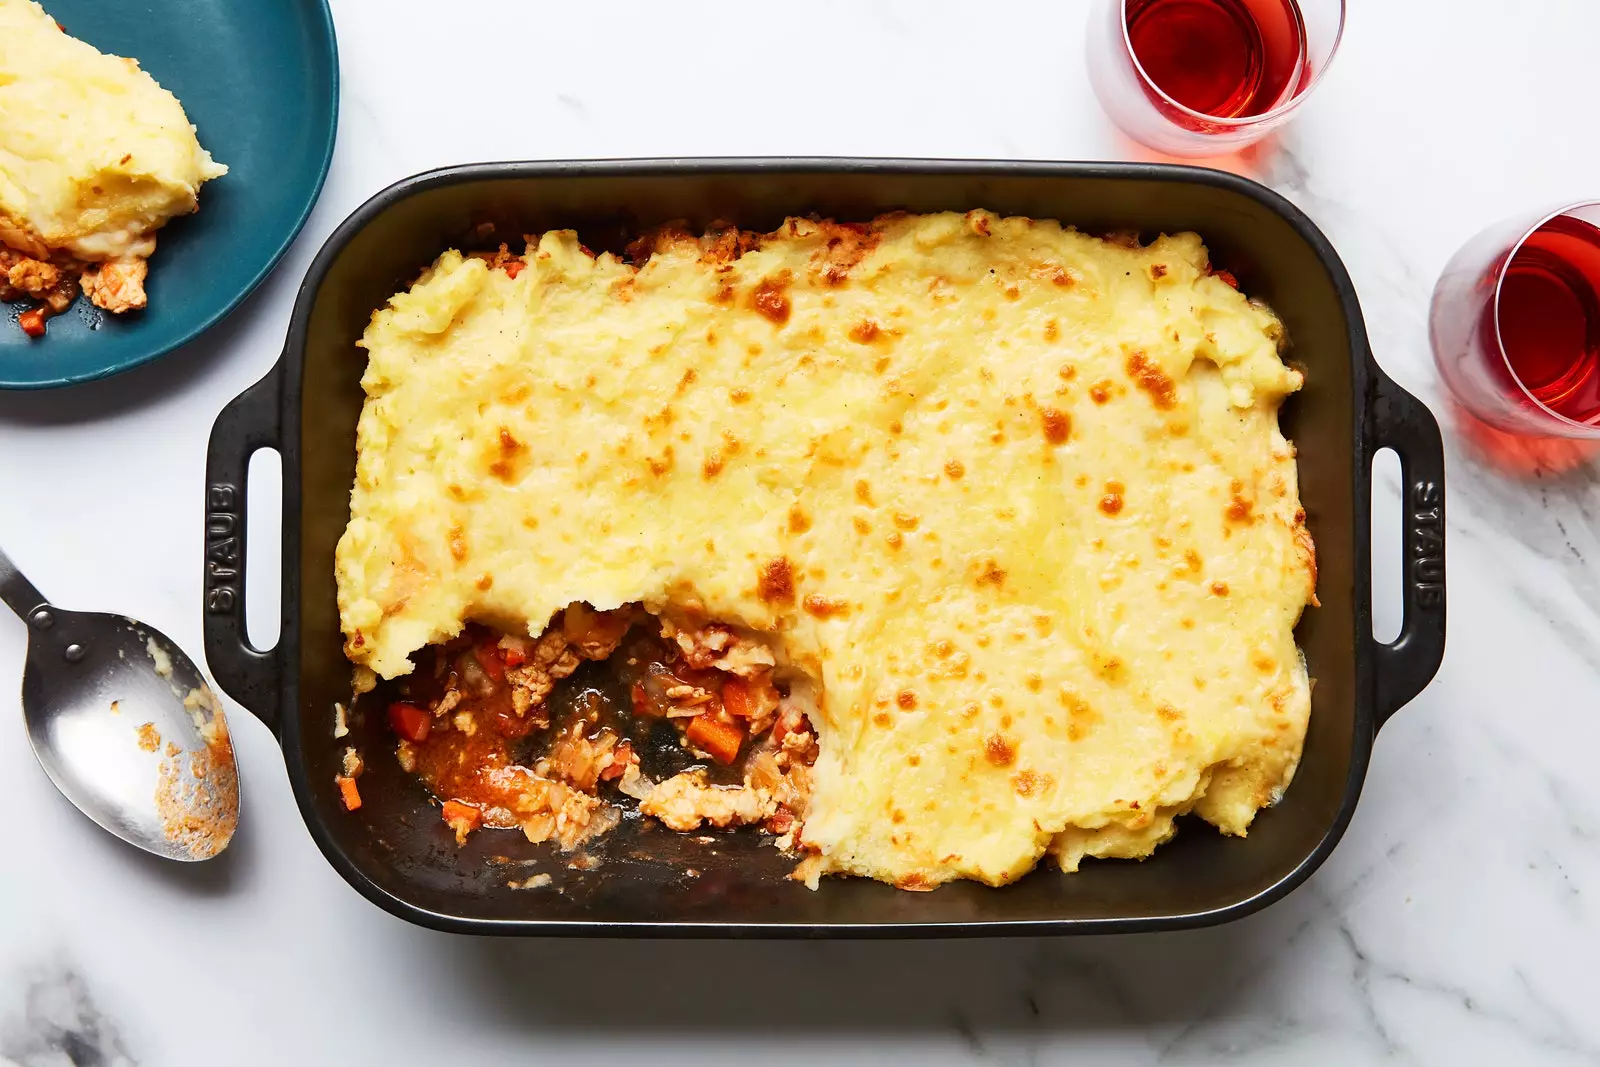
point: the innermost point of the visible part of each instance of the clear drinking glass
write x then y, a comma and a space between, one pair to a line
1515, 323
1205, 77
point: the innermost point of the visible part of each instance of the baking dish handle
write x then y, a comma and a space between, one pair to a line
250, 422
1400, 421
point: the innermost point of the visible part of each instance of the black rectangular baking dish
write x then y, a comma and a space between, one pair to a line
396, 850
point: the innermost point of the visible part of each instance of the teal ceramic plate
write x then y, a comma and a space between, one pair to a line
260, 79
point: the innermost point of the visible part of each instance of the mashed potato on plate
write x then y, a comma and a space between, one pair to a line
95, 157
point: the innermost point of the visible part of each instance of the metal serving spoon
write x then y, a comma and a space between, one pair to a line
125, 726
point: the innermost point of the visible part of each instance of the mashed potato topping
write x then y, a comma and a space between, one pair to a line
95, 157
1013, 498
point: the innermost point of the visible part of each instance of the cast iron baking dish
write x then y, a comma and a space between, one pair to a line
396, 850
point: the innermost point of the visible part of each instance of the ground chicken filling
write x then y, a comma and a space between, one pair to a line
54, 282
557, 735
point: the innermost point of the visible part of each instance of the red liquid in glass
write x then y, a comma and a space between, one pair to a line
1550, 317
1223, 58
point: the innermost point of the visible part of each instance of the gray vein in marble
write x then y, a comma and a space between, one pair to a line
1362, 982
1578, 640
1576, 817
60, 1026
1559, 1035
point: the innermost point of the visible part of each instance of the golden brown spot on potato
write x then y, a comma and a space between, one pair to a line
915, 883
1239, 506
1035, 680
824, 607
847, 244
660, 466
485, 582
906, 698
799, 521
894, 539
689, 375
770, 300
979, 223
724, 294
990, 572
865, 332
1057, 425
1168, 713
999, 751
882, 720
1027, 783
713, 464
775, 584
1158, 270
914, 760
864, 492
1012, 292
1051, 330
508, 451
1152, 379
905, 521
1264, 663
1111, 503
897, 426
954, 468
1219, 588
1100, 392
863, 527
458, 543
1192, 558
530, 521
897, 816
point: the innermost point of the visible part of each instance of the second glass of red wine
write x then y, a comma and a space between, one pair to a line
1515, 323
1205, 77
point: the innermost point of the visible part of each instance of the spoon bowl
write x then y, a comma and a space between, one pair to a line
126, 727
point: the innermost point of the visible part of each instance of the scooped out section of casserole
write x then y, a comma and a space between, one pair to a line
553, 735
1008, 502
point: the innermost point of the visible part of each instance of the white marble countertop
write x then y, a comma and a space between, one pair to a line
1455, 922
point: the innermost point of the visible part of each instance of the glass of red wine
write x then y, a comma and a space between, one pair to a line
1204, 77
1516, 323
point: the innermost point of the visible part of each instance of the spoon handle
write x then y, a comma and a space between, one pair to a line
17, 591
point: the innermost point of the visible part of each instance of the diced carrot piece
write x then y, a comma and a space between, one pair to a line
736, 697
410, 721
720, 739
514, 656
348, 792
1227, 278
456, 812
490, 659
513, 267
32, 322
